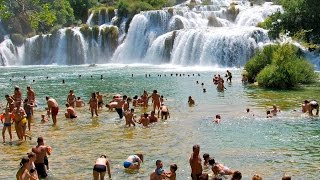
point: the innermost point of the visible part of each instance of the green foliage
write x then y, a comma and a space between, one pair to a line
17, 39
259, 61
232, 12
299, 15
64, 12
206, 2
81, 7
280, 66
5, 12
128, 8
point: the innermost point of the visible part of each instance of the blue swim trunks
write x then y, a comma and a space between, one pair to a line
127, 164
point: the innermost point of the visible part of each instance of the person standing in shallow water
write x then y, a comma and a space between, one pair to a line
53, 107
100, 168
41, 152
93, 104
229, 76
195, 163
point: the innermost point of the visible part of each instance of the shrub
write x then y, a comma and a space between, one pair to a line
280, 67
259, 61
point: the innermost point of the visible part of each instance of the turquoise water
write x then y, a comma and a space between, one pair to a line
288, 144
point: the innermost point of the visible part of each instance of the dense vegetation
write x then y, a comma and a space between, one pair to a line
279, 66
300, 19
30, 17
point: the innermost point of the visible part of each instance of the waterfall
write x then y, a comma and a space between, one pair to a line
209, 32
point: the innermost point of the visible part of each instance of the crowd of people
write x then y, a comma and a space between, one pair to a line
20, 112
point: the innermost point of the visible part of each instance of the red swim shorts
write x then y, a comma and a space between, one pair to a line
54, 111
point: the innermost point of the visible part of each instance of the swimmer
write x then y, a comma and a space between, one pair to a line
204, 90
71, 99
256, 177
195, 163
31, 96
71, 113
100, 100
101, 166
63, 81
41, 162
111, 106
190, 101
269, 115
218, 119
172, 174
32, 168
53, 107
93, 104
304, 106
129, 116
220, 86
28, 109
17, 95
219, 169
164, 111
10, 102
79, 102
229, 76
23, 172
206, 158
286, 177
133, 162
155, 99
144, 120
120, 103
159, 172
313, 105
236, 175
152, 117
249, 112
20, 120
275, 110
135, 101
44, 118
7, 120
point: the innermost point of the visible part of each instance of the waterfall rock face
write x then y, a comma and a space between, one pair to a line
215, 32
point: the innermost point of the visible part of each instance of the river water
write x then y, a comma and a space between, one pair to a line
288, 144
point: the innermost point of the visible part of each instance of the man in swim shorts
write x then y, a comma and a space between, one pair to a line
164, 111
101, 166
53, 107
100, 100
195, 163
133, 161
41, 152
71, 113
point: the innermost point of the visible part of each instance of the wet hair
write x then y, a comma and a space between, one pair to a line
256, 177
248, 110
306, 101
285, 177
135, 97
124, 96
153, 112
218, 116
155, 91
268, 112
93, 95
26, 100
6, 95
158, 162
140, 156
103, 156
23, 161
196, 146
71, 91
40, 139
205, 156
67, 104
132, 110
78, 98
145, 114
212, 161
174, 167
236, 175
47, 97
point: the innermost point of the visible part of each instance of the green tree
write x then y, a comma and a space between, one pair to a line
81, 8
64, 12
